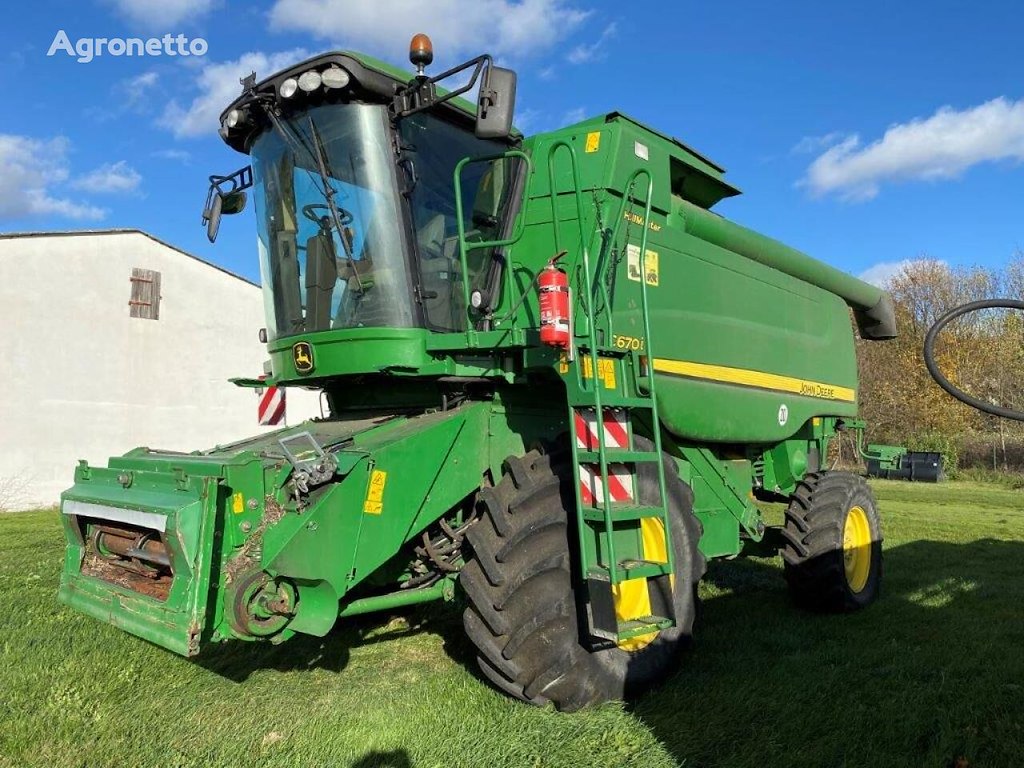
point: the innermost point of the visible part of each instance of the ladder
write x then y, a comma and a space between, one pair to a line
609, 391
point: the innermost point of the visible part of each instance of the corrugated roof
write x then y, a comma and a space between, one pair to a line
124, 231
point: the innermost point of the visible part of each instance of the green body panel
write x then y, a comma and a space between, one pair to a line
392, 351
751, 344
711, 306
713, 229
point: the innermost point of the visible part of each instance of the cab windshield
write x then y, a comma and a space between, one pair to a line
330, 238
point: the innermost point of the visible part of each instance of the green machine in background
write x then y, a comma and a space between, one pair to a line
557, 385
887, 458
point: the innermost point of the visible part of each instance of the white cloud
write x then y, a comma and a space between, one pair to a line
808, 145
127, 95
141, 82
163, 14
528, 119
583, 53
116, 177
218, 85
574, 116
942, 146
458, 28
882, 273
29, 168
133, 90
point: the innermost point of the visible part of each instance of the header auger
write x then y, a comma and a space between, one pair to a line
557, 382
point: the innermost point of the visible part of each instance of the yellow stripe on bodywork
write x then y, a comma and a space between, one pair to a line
759, 379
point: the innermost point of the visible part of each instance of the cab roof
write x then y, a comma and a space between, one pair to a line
371, 80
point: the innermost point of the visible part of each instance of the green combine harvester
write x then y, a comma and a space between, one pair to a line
558, 384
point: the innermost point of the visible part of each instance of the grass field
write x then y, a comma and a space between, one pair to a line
932, 675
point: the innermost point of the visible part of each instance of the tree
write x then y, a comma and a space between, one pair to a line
983, 353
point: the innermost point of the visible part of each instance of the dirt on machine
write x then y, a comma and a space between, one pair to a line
559, 383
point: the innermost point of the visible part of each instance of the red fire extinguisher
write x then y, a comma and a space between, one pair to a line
553, 285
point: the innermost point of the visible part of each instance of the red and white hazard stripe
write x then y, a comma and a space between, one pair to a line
620, 483
272, 406
616, 431
616, 435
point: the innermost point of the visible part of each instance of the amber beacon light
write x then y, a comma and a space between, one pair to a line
421, 52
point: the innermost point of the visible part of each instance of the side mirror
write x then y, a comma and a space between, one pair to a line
225, 203
496, 103
222, 204
233, 202
212, 216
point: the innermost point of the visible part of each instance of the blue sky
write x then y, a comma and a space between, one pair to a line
863, 133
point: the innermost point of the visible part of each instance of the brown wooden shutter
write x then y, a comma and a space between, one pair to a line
145, 300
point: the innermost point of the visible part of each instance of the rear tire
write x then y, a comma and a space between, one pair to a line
833, 543
524, 612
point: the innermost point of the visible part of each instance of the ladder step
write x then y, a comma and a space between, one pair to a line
623, 513
638, 569
643, 626
617, 456
615, 400
605, 625
631, 569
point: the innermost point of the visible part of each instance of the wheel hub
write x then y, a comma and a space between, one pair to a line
261, 605
857, 548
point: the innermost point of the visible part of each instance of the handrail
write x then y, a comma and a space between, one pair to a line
464, 247
645, 311
578, 196
621, 215
589, 300
594, 359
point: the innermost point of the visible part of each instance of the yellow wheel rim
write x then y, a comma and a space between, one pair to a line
633, 601
632, 597
857, 548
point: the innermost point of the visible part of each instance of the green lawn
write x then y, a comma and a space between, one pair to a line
932, 673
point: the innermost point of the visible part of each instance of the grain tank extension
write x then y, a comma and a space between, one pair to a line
558, 384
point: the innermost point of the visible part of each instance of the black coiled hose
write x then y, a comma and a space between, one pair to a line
940, 378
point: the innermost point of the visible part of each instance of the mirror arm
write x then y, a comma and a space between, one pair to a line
422, 88
239, 180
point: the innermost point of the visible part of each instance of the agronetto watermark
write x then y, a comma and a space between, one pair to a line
85, 49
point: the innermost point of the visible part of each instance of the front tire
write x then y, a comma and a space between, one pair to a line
833, 543
525, 612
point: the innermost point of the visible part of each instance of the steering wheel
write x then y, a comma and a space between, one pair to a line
310, 212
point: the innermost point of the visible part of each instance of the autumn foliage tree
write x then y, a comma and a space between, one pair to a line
982, 353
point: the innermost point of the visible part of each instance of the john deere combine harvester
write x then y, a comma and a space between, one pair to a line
558, 384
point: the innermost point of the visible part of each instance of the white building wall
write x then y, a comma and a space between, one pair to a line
83, 379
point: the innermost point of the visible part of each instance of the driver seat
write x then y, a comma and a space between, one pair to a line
439, 271
321, 276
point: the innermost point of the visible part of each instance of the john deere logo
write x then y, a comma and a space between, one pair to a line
302, 354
